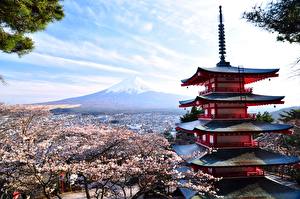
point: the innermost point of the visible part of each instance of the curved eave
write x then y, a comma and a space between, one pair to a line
246, 165
242, 126
244, 157
251, 75
282, 131
187, 152
185, 130
200, 100
255, 188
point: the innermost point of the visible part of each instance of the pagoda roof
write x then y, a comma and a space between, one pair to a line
198, 155
254, 187
231, 97
189, 152
202, 74
244, 157
229, 126
258, 187
241, 188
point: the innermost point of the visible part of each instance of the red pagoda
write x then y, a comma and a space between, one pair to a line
224, 132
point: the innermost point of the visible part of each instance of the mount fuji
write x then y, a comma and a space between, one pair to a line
129, 95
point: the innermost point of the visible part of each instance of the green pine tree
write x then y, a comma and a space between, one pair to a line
191, 115
281, 17
18, 18
265, 117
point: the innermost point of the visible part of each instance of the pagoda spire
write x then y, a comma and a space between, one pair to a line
222, 47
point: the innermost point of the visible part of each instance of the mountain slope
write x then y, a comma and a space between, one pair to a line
276, 114
128, 95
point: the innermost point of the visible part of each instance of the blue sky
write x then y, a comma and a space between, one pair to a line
102, 42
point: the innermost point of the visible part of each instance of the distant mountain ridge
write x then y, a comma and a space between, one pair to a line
276, 114
129, 95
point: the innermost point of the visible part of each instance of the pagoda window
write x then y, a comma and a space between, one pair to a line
213, 86
211, 139
204, 137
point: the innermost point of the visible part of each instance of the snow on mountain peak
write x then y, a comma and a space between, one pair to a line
131, 85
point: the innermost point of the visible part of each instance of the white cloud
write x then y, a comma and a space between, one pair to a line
53, 61
33, 90
162, 41
148, 27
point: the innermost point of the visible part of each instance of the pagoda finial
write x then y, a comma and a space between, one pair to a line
222, 48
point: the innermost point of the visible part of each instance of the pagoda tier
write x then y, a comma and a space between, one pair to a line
234, 126
249, 75
243, 157
232, 162
259, 187
200, 156
248, 99
254, 188
230, 133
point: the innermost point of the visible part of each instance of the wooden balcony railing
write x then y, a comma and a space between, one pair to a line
256, 172
229, 145
229, 90
237, 116
228, 116
205, 116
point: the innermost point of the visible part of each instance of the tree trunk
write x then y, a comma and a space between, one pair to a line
124, 192
102, 192
86, 188
138, 194
58, 196
45, 193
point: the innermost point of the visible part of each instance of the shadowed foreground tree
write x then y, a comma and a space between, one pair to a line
20, 17
281, 17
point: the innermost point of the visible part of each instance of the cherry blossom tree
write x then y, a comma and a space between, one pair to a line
29, 159
127, 160
113, 162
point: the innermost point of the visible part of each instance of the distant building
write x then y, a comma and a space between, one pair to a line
226, 129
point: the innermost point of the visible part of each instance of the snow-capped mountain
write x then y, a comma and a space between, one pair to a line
132, 85
129, 95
